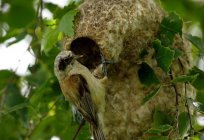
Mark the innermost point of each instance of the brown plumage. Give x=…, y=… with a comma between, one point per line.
x=76, y=88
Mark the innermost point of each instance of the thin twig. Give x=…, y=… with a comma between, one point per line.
x=177, y=102
x=186, y=101
x=41, y=18
x=79, y=128
x=188, y=110
x=39, y=13
x=2, y=97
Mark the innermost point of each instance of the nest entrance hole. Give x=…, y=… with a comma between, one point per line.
x=89, y=49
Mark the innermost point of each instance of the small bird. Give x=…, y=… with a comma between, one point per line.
x=82, y=89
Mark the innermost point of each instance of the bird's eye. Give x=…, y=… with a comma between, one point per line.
x=64, y=62
x=90, y=51
x=68, y=60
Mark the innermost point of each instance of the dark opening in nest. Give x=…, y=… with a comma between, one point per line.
x=89, y=49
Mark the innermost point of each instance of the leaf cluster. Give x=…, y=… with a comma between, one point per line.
x=165, y=55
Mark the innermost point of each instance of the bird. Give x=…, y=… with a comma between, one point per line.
x=82, y=89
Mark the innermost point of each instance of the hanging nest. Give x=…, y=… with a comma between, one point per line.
x=122, y=29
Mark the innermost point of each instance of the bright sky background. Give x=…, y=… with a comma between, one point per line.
x=16, y=57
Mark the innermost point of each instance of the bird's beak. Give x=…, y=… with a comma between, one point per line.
x=76, y=57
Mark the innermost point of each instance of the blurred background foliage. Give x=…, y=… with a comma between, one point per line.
x=31, y=105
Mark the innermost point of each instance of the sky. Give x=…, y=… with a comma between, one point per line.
x=16, y=57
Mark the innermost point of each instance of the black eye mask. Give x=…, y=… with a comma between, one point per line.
x=64, y=62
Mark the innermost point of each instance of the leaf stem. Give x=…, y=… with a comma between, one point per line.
x=39, y=13
x=186, y=101
x=79, y=128
x=177, y=102
x=188, y=110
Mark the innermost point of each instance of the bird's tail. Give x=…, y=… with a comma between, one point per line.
x=97, y=133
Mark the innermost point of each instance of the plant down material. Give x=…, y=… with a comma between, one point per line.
x=122, y=29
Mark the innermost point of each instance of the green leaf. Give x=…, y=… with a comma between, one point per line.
x=150, y=95
x=200, y=96
x=18, y=38
x=161, y=118
x=198, y=82
x=50, y=22
x=50, y=38
x=185, y=78
x=13, y=96
x=196, y=54
x=10, y=123
x=169, y=27
x=39, y=131
x=196, y=41
x=178, y=53
x=164, y=55
x=184, y=124
x=66, y=23
x=147, y=76
x=159, y=129
x=6, y=77
x=191, y=10
x=21, y=13
x=4, y=74
x=51, y=7
x=195, y=138
x=18, y=34
x=157, y=138
x=59, y=13
x=173, y=23
x=16, y=107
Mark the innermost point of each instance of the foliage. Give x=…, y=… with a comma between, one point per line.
x=165, y=55
x=169, y=27
x=150, y=95
x=147, y=75
x=32, y=106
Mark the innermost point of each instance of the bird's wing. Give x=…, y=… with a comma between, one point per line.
x=86, y=104
x=88, y=107
x=80, y=96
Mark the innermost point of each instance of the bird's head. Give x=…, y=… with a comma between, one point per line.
x=64, y=63
x=84, y=56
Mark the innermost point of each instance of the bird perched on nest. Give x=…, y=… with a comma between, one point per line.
x=81, y=88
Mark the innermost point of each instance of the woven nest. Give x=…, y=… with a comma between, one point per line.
x=122, y=29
